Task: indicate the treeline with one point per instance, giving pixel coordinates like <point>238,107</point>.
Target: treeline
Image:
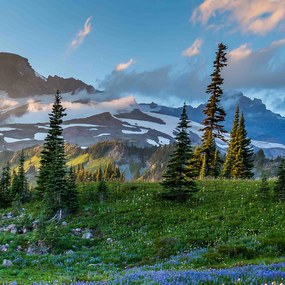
<point>14,188</point>
<point>110,172</point>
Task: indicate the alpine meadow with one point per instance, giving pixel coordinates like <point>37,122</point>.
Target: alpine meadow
<point>167,167</point>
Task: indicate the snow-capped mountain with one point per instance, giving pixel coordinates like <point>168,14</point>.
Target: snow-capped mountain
<point>26,99</point>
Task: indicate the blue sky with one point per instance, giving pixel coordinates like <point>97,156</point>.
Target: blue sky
<point>157,50</point>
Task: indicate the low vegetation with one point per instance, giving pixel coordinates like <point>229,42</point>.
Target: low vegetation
<point>228,221</point>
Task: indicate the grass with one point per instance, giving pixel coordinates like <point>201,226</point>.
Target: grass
<point>228,219</point>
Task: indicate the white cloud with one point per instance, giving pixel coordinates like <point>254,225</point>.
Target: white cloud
<point>254,16</point>
<point>240,52</point>
<point>194,49</point>
<point>123,66</point>
<point>81,35</point>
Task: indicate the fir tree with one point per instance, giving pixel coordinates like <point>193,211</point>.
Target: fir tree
<point>5,186</point>
<point>243,164</point>
<point>102,191</point>
<point>264,189</point>
<point>214,112</point>
<point>72,197</point>
<point>178,178</point>
<point>233,147</point>
<point>279,188</point>
<point>52,180</point>
<point>20,184</point>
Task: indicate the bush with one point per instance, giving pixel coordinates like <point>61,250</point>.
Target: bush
<point>164,247</point>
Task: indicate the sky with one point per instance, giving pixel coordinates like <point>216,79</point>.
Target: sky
<point>155,50</point>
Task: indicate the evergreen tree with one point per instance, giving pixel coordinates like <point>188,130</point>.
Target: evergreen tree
<point>214,112</point>
<point>243,164</point>
<point>178,178</point>
<point>279,188</point>
<point>72,198</point>
<point>203,169</point>
<point>20,183</point>
<point>233,147</point>
<point>102,191</point>
<point>5,183</point>
<point>52,180</point>
<point>264,189</point>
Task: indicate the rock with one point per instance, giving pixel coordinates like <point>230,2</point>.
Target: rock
<point>109,240</point>
<point>77,231</point>
<point>39,248</point>
<point>3,248</point>
<point>87,235</point>
<point>35,224</point>
<point>64,224</point>
<point>13,283</point>
<point>11,228</point>
<point>7,263</point>
<point>7,245</point>
<point>19,248</point>
<point>70,251</point>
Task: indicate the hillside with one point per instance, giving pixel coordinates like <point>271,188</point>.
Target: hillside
<point>228,222</point>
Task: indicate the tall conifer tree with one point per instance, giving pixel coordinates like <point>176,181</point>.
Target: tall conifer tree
<point>20,184</point>
<point>243,164</point>
<point>52,186</point>
<point>214,112</point>
<point>233,147</point>
<point>178,178</point>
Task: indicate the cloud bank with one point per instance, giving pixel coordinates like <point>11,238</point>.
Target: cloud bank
<point>247,69</point>
<point>253,16</point>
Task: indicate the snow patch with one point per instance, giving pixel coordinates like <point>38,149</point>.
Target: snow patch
<point>77,125</point>
<point>40,136</point>
<point>100,135</point>
<point>152,142</point>
<point>163,140</point>
<point>12,140</point>
<point>262,144</point>
<point>40,76</point>
<point>6,129</point>
<point>142,131</point>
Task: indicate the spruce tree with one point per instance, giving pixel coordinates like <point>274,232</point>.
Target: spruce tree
<point>52,186</point>
<point>215,114</point>
<point>264,189</point>
<point>279,188</point>
<point>5,186</point>
<point>20,184</point>
<point>178,180</point>
<point>72,193</point>
<point>233,147</point>
<point>243,163</point>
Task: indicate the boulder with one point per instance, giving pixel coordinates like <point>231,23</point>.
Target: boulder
<point>87,235</point>
<point>7,263</point>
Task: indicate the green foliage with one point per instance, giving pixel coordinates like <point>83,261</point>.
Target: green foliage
<point>178,178</point>
<point>19,188</point>
<point>243,161</point>
<point>52,185</point>
<point>215,114</point>
<point>164,247</point>
<point>264,189</point>
<point>227,217</point>
<point>227,171</point>
<point>5,186</point>
<point>279,187</point>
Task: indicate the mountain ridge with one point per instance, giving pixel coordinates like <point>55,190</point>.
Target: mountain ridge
<point>19,79</point>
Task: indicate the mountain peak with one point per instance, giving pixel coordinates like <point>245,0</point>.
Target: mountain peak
<point>19,79</point>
